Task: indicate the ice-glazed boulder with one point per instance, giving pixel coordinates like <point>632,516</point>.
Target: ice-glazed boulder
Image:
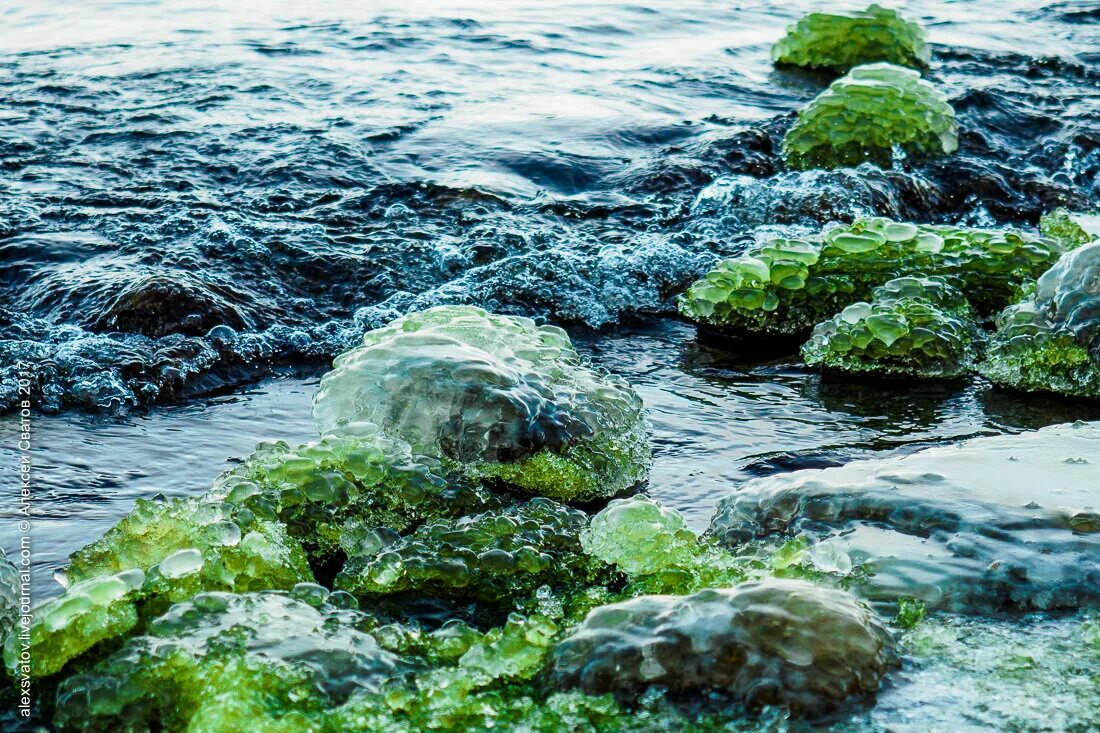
<point>1050,342</point>
<point>776,642</point>
<point>328,491</point>
<point>786,286</point>
<point>223,662</point>
<point>1070,227</point>
<point>89,612</point>
<point>874,113</point>
<point>500,397</point>
<point>998,523</point>
<point>913,326</point>
<point>186,546</point>
<point>498,557</point>
<point>840,41</point>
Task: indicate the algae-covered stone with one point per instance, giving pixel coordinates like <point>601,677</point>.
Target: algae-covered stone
<point>1006,522</point>
<point>1050,342</point>
<point>776,642</point>
<point>500,397</point>
<point>88,613</point>
<point>840,41</point>
<point>186,546</point>
<point>222,662</point>
<point>498,557</point>
<point>1070,227</point>
<point>785,286</point>
<point>329,491</point>
<point>915,326</point>
<point>872,114</point>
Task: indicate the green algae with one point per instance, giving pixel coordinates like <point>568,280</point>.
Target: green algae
<point>875,113</point>
<point>1070,227</point>
<point>264,661</point>
<point>913,326</point>
<point>9,595</point>
<point>839,41</point>
<point>328,491</point>
<point>185,546</point>
<point>89,613</point>
<point>1050,341</point>
<point>784,286</point>
<point>496,397</point>
<point>498,557</point>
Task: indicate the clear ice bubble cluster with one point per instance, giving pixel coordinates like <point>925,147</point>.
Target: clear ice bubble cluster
<point>9,594</point>
<point>784,286</point>
<point>498,396</point>
<point>992,524</point>
<point>89,613</point>
<point>498,557</point>
<point>839,41</point>
<point>874,113</point>
<point>913,326</point>
<point>1050,342</point>
<point>640,537</point>
<point>224,662</point>
<point>327,490</point>
<point>773,642</point>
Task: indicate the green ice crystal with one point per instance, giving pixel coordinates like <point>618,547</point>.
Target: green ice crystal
<point>839,41</point>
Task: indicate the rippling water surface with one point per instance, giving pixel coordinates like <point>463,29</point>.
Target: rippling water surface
<point>195,196</point>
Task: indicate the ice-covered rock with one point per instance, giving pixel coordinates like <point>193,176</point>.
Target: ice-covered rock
<point>840,41</point>
<point>784,286</point>
<point>498,396</point>
<point>872,114</point>
<point>914,326</point>
<point>996,523</point>
<point>776,642</point>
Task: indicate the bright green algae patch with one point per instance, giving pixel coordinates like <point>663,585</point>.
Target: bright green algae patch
<point>874,113</point>
<point>1069,227</point>
<point>497,397</point>
<point>784,286</point>
<point>496,557</point>
<point>90,612</point>
<point>328,492</point>
<point>840,41</point>
<point>1050,342</point>
<point>920,327</point>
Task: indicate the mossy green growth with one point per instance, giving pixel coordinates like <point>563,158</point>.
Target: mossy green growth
<point>1050,341</point>
<point>1030,354</point>
<point>499,557</point>
<point>328,490</point>
<point>839,41</point>
<point>223,662</point>
<point>88,613</point>
<point>910,613</point>
<point>874,113</point>
<point>498,398</point>
<point>186,546</point>
<point>921,327</point>
<point>784,286</point>
<point>640,536</point>
<point>1069,227</point>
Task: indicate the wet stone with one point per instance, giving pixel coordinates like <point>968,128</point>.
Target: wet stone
<point>777,642</point>
<point>992,524</point>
